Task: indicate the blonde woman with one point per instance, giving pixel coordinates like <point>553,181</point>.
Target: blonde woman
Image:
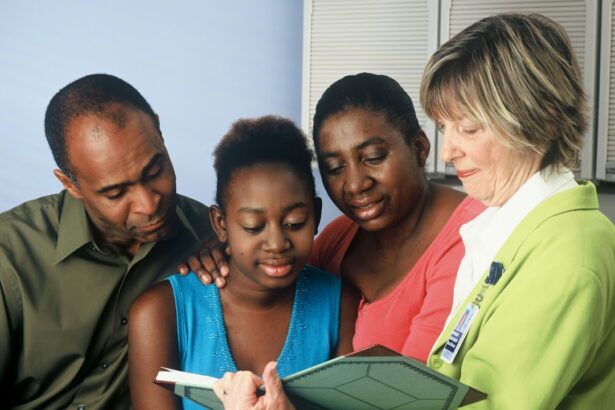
<point>533,313</point>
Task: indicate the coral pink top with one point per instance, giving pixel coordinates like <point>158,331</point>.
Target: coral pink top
<point>410,318</point>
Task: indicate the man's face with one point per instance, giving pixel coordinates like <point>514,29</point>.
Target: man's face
<point>125,178</point>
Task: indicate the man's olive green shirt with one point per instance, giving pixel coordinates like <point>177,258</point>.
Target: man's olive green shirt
<point>64,302</point>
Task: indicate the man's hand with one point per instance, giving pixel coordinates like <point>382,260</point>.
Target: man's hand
<point>210,264</point>
<point>238,391</point>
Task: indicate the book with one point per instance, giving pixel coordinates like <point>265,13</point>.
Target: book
<point>373,378</point>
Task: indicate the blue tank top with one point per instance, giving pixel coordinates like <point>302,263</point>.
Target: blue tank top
<point>203,346</point>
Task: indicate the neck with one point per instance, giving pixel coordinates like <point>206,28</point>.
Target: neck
<point>127,248</point>
<point>515,182</point>
<point>391,240</point>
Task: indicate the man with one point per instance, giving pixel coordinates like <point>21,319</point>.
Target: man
<point>72,263</point>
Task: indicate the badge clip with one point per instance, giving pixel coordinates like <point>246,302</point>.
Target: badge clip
<point>495,273</point>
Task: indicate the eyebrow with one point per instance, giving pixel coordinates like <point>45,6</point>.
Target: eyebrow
<point>375,140</point>
<point>156,158</point>
<point>285,209</point>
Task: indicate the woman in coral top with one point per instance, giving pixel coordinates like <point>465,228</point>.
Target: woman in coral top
<point>398,241</point>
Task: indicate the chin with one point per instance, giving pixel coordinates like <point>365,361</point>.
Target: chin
<point>373,225</point>
<point>281,282</point>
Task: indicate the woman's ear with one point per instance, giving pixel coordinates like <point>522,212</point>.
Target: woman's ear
<point>216,217</point>
<point>422,146</point>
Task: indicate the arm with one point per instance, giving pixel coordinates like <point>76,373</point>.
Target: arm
<point>152,343</point>
<point>438,299</point>
<point>540,337</point>
<point>6,350</point>
<point>349,302</point>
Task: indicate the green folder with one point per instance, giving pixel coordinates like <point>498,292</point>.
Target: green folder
<point>373,378</point>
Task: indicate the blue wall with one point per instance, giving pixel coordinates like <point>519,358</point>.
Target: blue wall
<point>201,65</point>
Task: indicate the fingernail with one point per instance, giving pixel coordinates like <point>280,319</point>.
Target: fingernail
<point>219,281</point>
<point>205,279</point>
<point>224,271</point>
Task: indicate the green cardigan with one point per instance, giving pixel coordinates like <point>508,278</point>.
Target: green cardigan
<point>544,335</point>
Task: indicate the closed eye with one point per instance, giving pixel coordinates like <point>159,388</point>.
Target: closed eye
<point>375,159</point>
<point>253,229</point>
<point>294,226</point>
<point>114,195</point>
<point>470,131</point>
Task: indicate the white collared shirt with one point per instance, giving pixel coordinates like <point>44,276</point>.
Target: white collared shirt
<point>485,235</point>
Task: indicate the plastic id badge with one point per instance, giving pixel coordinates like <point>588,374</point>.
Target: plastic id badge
<point>459,333</point>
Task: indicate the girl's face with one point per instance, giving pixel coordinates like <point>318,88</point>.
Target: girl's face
<point>268,224</point>
<point>372,175</point>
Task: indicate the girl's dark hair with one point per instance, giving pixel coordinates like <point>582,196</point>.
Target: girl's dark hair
<point>372,92</point>
<point>269,140</point>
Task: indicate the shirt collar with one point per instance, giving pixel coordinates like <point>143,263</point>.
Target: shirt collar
<point>486,234</point>
<point>185,223</point>
<point>74,229</point>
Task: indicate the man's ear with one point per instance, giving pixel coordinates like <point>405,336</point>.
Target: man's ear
<point>423,146</point>
<point>69,184</point>
<point>317,212</point>
<point>216,217</point>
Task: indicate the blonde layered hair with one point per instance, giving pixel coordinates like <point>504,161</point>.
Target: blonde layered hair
<point>517,75</point>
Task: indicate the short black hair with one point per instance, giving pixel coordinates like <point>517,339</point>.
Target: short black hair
<point>91,94</point>
<point>372,92</point>
<point>264,140</point>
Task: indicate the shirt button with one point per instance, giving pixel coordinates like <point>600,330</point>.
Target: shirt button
<point>436,362</point>
<point>124,321</point>
<point>104,366</point>
<point>81,407</point>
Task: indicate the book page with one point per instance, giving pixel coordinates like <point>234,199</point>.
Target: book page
<point>187,379</point>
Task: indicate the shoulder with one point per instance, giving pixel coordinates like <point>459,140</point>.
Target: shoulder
<point>581,237</point>
<point>337,231</point>
<point>337,227</point>
<point>454,205</point>
<point>319,274</point>
<point>566,245</point>
<point>197,214</point>
<point>155,304</point>
<point>190,205</point>
<point>32,224</point>
<point>315,278</point>
<point>33,213</point>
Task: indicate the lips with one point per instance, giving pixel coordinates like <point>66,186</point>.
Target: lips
<point>466,173</point>
<point>153,226</point>
<point>365,210</point>
<point>276,268</point>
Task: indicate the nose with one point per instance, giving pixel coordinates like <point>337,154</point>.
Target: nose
<point>357,180</point>
<point>145,201</point>
<point>276,241</point>
<point>447,148</point>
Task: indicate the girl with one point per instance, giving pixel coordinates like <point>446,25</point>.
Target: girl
<point>273,307</point>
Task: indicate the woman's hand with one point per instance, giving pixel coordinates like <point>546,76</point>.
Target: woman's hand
<point>238,391</point>
<point>210,264</point>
